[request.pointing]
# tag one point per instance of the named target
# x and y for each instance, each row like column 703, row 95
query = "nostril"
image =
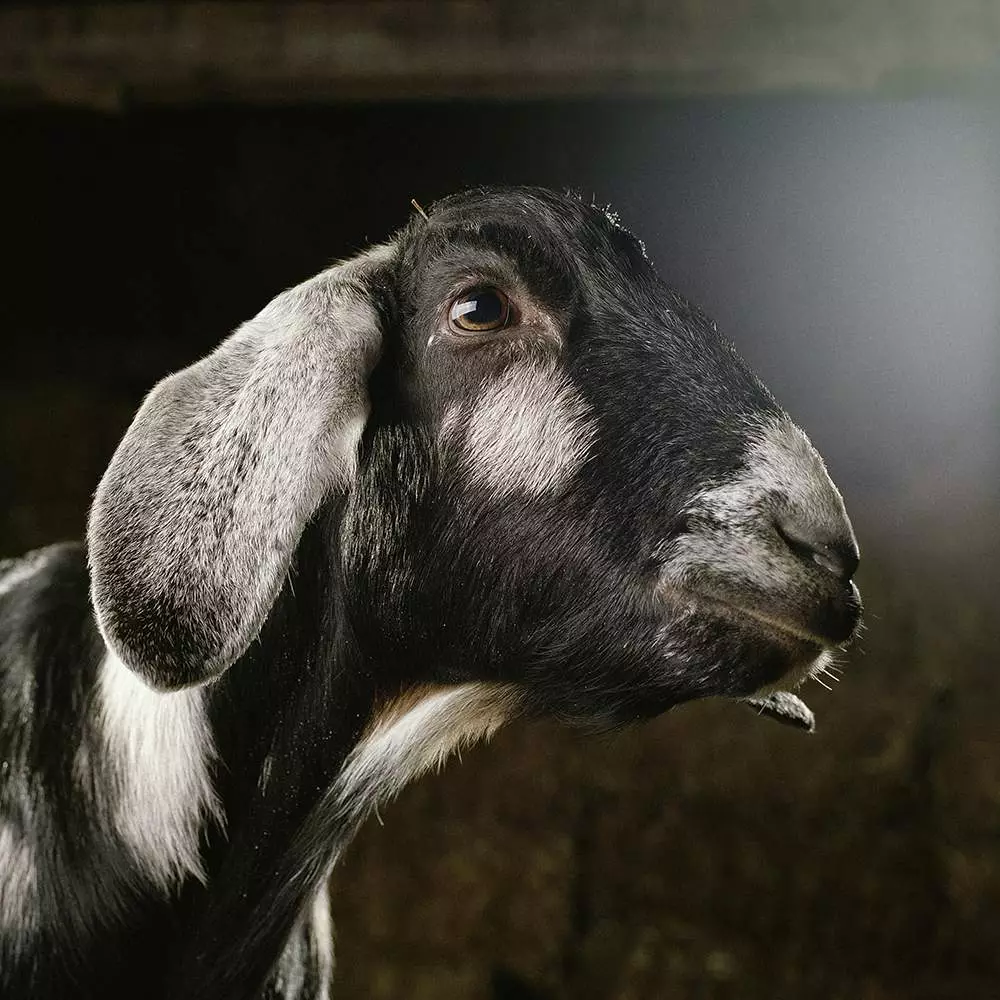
column 841, row 559
column 839, row 556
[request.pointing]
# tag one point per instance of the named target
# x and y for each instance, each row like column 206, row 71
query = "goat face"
column 584, row 490
column 567, row 480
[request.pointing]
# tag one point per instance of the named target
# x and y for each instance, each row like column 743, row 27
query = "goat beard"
column 784, row 707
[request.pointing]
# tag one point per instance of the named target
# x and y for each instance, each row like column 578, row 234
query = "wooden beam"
column 117, row 55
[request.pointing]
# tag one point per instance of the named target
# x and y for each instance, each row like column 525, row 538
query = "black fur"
column 413, row 573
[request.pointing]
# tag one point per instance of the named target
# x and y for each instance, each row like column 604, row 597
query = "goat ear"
column 197, row 517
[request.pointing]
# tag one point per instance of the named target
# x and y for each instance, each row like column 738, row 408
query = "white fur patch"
column 18, row 885
column 305, row 967
column 528, row 432
column 22, row 569
column 162, row 750
column 730, row 521
column 321, row 930
column 418, row 733
column 783, row 461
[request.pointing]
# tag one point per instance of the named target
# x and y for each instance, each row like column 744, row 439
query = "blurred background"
column 821, row 177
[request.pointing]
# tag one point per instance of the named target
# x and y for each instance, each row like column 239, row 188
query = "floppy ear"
column 196, row 519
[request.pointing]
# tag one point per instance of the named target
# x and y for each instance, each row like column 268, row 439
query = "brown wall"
column 108, row 55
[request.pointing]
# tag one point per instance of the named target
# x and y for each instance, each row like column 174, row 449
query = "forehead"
column 531, row 209
column 542, row 234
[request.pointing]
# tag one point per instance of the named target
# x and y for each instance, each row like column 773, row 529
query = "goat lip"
column 741, row 612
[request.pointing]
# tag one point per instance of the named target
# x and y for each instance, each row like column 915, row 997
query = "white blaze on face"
column 782, row 461
column 733, row 521
column 528, row 432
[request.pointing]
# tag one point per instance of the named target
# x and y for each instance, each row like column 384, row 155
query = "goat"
column 492, row 468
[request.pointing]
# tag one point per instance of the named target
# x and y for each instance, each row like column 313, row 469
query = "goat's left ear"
column 198, row 515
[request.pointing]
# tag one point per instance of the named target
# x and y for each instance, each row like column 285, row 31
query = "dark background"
column 851, row 247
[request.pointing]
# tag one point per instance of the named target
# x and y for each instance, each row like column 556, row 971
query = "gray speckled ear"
column 196, row 519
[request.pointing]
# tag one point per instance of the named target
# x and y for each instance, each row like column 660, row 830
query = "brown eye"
column 481, row 311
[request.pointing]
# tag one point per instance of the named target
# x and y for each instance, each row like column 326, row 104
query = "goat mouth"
column 805, row 654
column 743, row 614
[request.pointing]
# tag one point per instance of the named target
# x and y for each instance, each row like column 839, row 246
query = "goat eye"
column 481, row 311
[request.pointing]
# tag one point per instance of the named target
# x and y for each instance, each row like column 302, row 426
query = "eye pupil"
column 483, row 310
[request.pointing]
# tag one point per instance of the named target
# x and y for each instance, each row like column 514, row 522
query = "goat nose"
column 831, row 547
